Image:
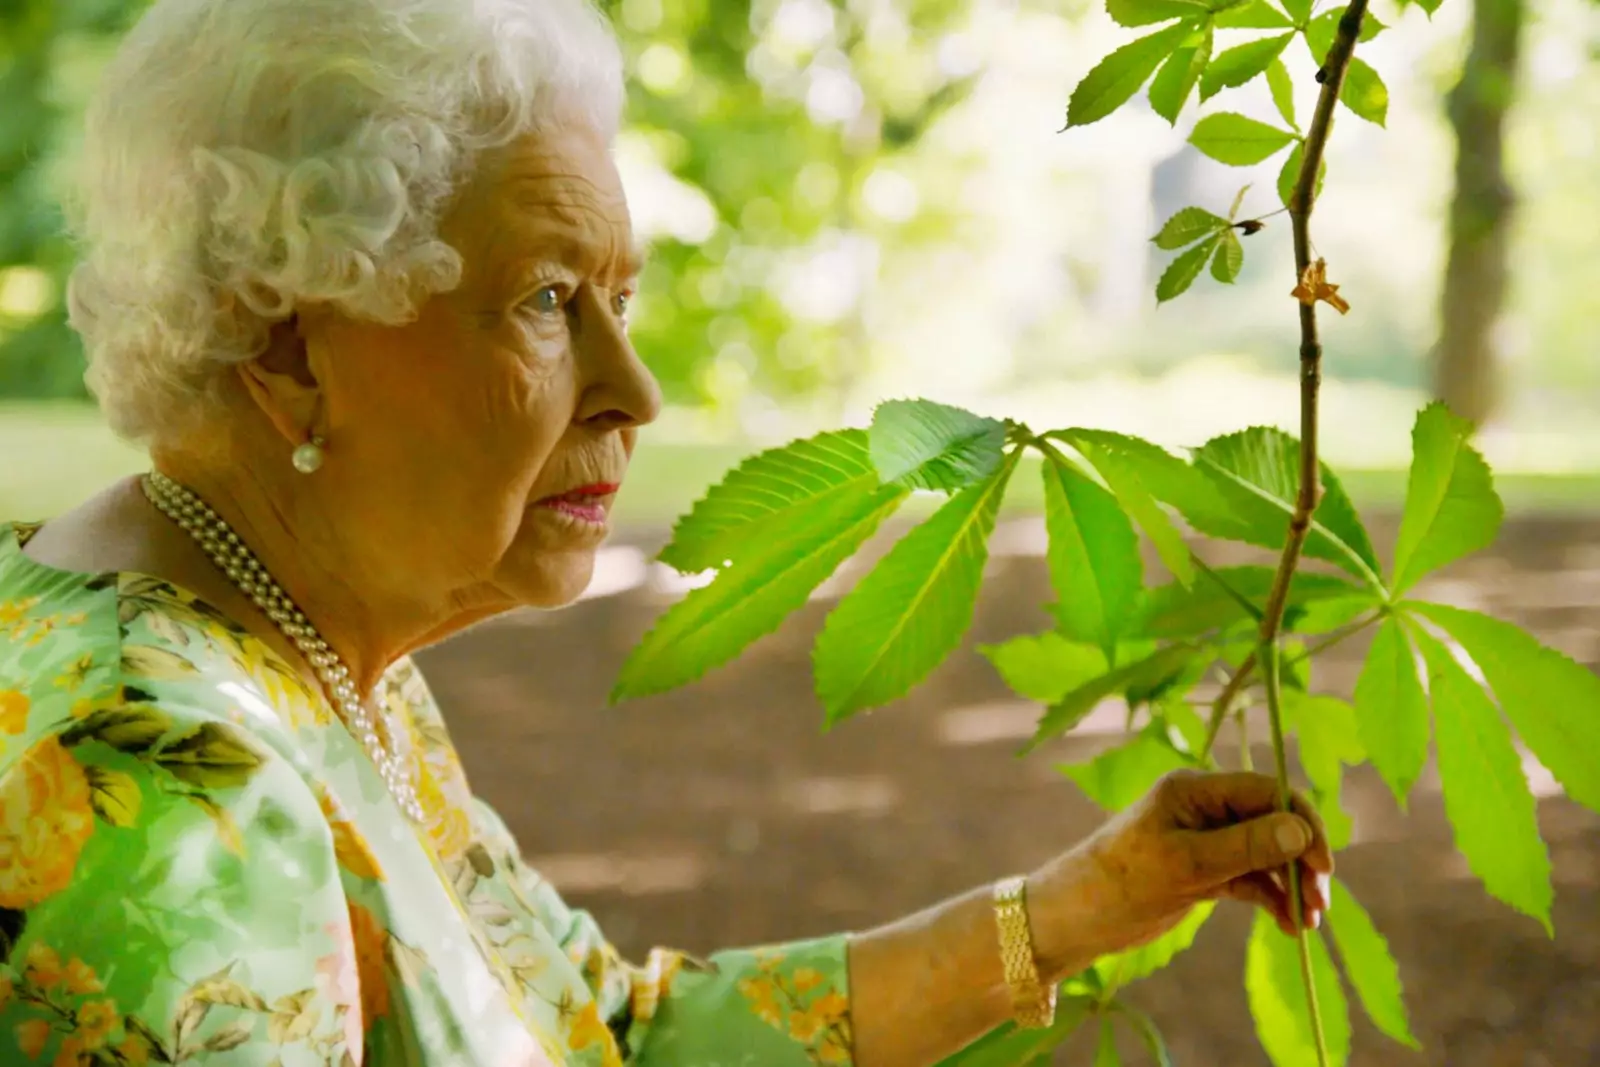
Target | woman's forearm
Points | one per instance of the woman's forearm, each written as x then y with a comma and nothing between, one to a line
927,985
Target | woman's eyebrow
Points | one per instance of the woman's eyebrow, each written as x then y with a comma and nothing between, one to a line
576,254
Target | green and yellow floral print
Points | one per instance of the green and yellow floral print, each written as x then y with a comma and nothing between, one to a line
199,866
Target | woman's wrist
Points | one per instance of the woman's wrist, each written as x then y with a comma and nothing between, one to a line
1066,909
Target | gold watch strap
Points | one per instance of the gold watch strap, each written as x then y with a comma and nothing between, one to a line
1033,1002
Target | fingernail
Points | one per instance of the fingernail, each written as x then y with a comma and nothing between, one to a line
1292,836
1325,890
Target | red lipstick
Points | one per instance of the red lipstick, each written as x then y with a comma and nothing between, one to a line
586,503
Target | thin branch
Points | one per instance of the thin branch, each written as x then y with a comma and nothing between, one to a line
1300,205
1342,634
1240,680
1245,762
1223,704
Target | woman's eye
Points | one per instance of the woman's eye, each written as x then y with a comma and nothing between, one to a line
623,300
547,301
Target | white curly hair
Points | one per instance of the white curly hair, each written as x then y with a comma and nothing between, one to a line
242,157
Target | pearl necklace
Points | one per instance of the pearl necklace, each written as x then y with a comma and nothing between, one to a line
235,559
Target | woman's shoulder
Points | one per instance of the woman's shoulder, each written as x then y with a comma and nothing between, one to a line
76,645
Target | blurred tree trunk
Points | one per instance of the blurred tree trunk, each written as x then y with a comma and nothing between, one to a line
1480,216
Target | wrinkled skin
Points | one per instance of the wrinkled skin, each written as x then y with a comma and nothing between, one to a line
1193,837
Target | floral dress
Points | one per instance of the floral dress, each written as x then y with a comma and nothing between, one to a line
199,865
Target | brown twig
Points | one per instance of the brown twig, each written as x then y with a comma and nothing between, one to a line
1300,205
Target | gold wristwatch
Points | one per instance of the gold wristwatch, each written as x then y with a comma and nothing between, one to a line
1033,1002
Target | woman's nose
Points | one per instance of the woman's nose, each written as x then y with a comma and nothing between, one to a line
618,386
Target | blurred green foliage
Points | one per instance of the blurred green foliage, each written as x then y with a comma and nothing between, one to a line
779,112
43,44
774,114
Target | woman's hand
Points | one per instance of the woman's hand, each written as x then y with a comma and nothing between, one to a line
1193,837
927,985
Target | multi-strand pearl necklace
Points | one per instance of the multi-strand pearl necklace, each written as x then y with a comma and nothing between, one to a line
230,553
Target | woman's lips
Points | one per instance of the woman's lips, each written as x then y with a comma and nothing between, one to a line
587,503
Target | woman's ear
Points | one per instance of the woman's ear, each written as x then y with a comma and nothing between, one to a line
283,384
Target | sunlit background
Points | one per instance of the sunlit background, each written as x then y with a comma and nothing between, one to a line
853,200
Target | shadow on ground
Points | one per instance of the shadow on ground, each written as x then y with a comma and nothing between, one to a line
722,815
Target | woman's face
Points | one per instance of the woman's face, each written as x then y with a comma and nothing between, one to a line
478,449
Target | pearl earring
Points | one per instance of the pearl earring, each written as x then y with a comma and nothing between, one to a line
308,457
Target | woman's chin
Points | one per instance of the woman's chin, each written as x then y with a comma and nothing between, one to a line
545,577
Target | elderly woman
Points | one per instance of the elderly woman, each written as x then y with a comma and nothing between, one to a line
357,272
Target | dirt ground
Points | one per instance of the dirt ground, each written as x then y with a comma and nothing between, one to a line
721,814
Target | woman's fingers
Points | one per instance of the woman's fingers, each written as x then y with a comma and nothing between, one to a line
1229,825
1320,855
1261,890
1265,889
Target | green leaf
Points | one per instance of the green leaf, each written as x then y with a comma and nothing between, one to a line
1331,613
1071,708
924,445
1173,610
1294,665
1175,710
1105,1052
1161,686
1392,711
1329,740
1163,475
1329,735
1242,63
1140,473
1297,10
1277,996
1486,794
1363,91
1452,509
1145,12
1369,965
1238,202
767,491
1290,174
1282,89
1119,776
1045,667
905,616
1181,272
1115,79
1177,77
1257,471
1229,137
1093,555
1188,225
1009,1046
749,598
1321,31
1251,15
1229,258
1121,969
1549,697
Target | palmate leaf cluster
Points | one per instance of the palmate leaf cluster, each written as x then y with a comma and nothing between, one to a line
1202,48
1466,685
